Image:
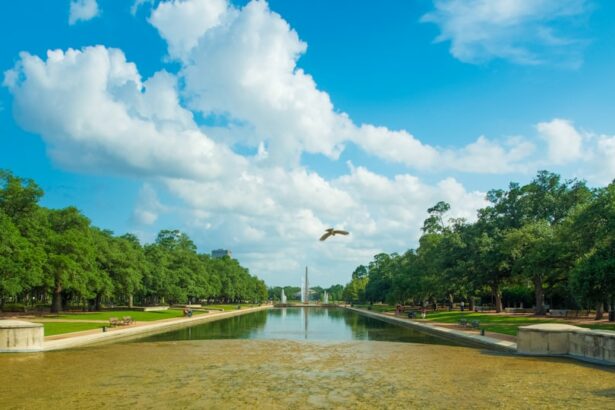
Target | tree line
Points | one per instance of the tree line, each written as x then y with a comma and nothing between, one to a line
57,257
550,242
335,293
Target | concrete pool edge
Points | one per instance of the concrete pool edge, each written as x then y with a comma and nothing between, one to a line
148,329
451,334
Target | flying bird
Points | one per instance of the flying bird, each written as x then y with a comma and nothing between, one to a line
332,232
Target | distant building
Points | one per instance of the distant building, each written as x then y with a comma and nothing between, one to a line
221,253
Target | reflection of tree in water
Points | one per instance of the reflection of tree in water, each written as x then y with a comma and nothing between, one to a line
300,323
285,311
237,327
367,328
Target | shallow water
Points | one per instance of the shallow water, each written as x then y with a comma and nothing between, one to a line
240,373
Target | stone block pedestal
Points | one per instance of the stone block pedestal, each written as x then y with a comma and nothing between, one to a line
21,336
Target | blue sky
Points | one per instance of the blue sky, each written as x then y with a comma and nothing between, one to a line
253,126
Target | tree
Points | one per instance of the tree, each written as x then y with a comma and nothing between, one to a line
592,238
535,253
20,263
70,254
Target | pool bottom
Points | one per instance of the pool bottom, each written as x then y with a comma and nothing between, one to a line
293,374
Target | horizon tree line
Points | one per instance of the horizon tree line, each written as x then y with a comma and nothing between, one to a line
550,240
56,257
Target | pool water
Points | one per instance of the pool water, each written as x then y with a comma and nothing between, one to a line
277,360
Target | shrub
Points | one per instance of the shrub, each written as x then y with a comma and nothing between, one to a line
14,307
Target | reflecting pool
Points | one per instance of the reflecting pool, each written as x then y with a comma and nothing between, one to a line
311,324
252,362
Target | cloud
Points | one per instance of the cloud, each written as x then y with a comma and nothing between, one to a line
96,114
82,10
592,155
245,68
281,214
181,23
604,160
564,142
242,64
148,206
521,31
138,4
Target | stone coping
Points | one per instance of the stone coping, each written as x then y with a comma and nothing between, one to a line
12,324
554,328
150,328
595,346
451,334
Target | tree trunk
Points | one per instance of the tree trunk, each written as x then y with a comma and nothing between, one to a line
97,302
130,301
497,294
599,310
539,294
472,303
56,300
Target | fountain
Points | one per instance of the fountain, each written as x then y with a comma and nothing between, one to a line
325,298
283,297
305,289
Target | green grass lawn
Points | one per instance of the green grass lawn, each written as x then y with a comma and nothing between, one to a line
142,316
136,315
601,326
56,328
490,322
506,324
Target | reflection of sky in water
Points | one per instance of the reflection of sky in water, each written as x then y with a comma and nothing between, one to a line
312,324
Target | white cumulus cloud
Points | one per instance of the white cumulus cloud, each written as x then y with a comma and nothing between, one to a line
82,10
96,113
564,142
521,31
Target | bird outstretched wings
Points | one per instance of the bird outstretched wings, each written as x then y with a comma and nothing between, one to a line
332,232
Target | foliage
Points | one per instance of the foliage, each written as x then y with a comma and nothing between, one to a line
551,238
57,256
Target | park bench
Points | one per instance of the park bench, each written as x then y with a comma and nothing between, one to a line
474,324
113,321
127,320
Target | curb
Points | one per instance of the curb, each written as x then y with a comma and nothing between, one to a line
131,332
451,334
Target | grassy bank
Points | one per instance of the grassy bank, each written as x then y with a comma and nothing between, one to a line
57,328
507,324
134,314
491,322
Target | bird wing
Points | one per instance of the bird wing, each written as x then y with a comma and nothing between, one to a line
339,231
325,236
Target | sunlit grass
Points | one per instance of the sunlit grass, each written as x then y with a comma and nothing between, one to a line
491,322
56,328
135,315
